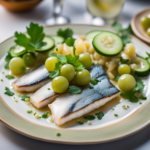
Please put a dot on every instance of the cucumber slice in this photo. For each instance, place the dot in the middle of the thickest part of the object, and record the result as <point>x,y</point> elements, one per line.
<point>107,43</point>
<point>17,50</point>
<point>50,44</point>
<point>59,39</point>
<point>145,68</point>
<point>91,34</point>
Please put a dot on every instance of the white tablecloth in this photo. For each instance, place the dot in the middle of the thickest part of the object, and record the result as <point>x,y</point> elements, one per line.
<point>76,11</point>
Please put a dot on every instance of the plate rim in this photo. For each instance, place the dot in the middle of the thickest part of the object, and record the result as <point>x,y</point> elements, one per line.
<point>78,143</point>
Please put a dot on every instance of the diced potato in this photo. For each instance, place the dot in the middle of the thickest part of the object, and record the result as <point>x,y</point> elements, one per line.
<point>110,75</point>
<point>101,62</point>
<point>87,44</point>
<point>130,50</point>
<point>91,50</point>
<point>80,46</point>
<point>95,62</point>
<point>133,66</point>
<point>67,50</point>
<point>97,56</point>
<point>60,49</point>
<point>106,58</point>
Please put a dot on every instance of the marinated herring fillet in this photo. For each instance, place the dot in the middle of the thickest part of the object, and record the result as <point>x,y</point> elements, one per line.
<point>67,107</point>
<point>43,96</point>
<point>33,80</point>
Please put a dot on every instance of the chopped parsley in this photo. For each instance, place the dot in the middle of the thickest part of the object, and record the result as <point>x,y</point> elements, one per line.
<point>116,115</point>
<point>62,59</point>
<point>140,103</point>
<point>23,98</point>
<point>53,54</point>
<point>124,107</point>
<point>117,77</point>
<point>3,72</point>
<point>89,117</point>
<point>143,97</point>
<point>35,113</point>
<point>123,60</point>
<point>94,81</point>
<point>74,89</point>
<point>29,111</point>
<point>128,107</point>
<point>56,49</point>
<point>48,88</point>
<point>7,59</point>
<point>99,115</point>
<point>45,115</point>
<point>8,92</point>
<point>91,87</point>
<point>80,122</point>
<point>66,33</point>
<point>54,74</point>
<point>9,77</point>
<point>70,41</point>
<point>2,80</point>
<point>58,134</point>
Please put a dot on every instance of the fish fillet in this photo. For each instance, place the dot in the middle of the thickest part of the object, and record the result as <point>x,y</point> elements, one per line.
<point>33,80</point>
<point>67,107</point>
<point>43,96</point>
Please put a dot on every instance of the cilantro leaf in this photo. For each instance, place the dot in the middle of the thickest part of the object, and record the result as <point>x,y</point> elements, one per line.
<point>128,30</point>
<point>22,40</point>
<point>131,96</point>
<point>91,87</point>
<point>94,81</point>
<point>70,41</point>
<point>74,90</point>
<point>62,59</point>
<point>36,35</point>
<point>117,26</point>
<point>71,59</point>
<point>24,97</point>
<point>53,55</point>
<point>123,60</point>
<point>45,115</point>
<point>54,74</point>
<point>8,92</point>
<point>80,122</point>
<point>78,66</point>
<point>133,99</point>
<point>126,39</point>
<point>57,66</point>
<point>143,97</point>
<point>66,33</point>
<point>7,59</point>
<point>148,54</point>
<point>139,85</point>
<point>99,115</point>
<point>89,117</point>
<point>74,50</point>
<point>117,77</point>
<point>9,77</point>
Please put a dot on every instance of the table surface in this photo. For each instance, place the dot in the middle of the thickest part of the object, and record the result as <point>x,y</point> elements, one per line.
<point>76,11</point>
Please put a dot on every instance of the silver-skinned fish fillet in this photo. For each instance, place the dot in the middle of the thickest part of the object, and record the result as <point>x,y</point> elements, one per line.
<point>33,80</point>
<point>43,96</point>
<point>67,107</point>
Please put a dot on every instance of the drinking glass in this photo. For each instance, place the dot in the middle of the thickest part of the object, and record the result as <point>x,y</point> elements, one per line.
<point>105,10</point>
<point>56,17</point>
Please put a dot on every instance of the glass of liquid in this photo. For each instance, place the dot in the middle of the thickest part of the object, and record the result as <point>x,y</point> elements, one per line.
<point>106,10</point>
<point>57,17</point>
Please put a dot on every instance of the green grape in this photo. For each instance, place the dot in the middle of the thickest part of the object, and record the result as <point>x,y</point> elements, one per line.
<point>67,71</point>
<point>126,83</point>
<point>60,84</point>
<point>86,60</point>
<point>29,59</point>
<point>148,31</point>
<point>82,77</point>
<point>17,65</point>
<point>145,21</point>
<point>50,63</point>
<point>124,69</point>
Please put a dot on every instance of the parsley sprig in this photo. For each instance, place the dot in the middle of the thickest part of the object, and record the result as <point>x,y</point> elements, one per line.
<point>8,92</point>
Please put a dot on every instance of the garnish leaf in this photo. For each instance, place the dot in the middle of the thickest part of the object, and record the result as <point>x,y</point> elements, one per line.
<point>91,87</point>
<point>99,115</point>
<point>126,39</point>
<point>66,33</point>
<point>94,81</point>
<point>8,92</point>
<point>54,74</point>
<point>123,60</point>
<point>36,35</point>
<point>45,115</point>
<point>53,55</point>
<point>78,66</point>
<point>117,26</point>
<point>139,85</point>
<point>80,122</point>
<point>131,96</point>
<point>24,97</point>
<point>74,50</point>
<point>57,66</point>
<point>71,59</point>
<point>9,77</point>
<point>7,59</point>
<point>74,90</point>
<point>89,117</point>
<point>62,59</point>
<point>70,41</point>
<point>143,97</point>
<point>117,77</point>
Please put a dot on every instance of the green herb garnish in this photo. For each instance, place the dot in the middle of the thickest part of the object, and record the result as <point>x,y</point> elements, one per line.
<point>128,107</point>
<point>24,97</point>
<point>70,41</point>
<point>66,33</point>
<point>7,59</point>
<point>35,113</point>
<point>117,77</point>
<point>45,115</point>
<point>143,97</point>
<point>89,117</point>
<point>99,115</point>
<point>80,122</point>
<point>58,134</point>
<point>62,59</point>
<point>8,92</point>
<point>48,88</point>
<point>53,54</point>
<point>91,87</point>
<point>140,103</point>
<point>2,80</point>
<point>9,77</point>
<point>94,81</point>
<point>116,115</point>
<point>54,74</point>
<point>56,49</point>
<point>74,89</point>
<point>123,60</point>
<point>29,111</point>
